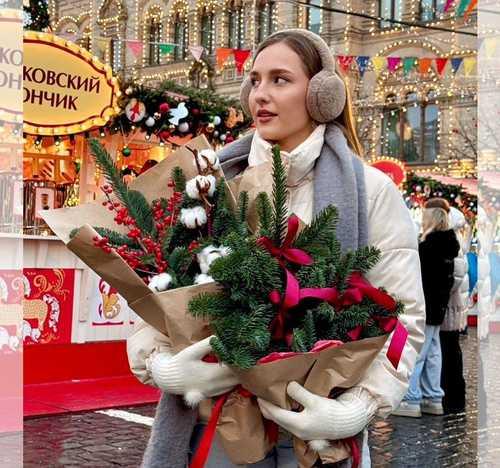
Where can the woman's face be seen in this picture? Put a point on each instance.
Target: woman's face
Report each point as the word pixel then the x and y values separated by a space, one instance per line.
pixel 278 97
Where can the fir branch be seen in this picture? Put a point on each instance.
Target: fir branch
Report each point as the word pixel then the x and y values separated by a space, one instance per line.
pixel 316 238
pixel 365 258
pixel 280 195
pixel 265 214
pixel 134 201
pixel 224 220
pixel 179 179
pixel 243 207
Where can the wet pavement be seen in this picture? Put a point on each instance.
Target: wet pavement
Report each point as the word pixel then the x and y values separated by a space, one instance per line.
pixel 118 438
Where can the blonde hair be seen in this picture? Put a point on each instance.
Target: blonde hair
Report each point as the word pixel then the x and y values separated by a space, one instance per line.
pixel 311 61
pixel 434 219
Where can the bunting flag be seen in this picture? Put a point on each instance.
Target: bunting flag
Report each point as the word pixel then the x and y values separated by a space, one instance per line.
pixel 362 62
pixel 455 63
pixel 344 62
pixel 240 57
pixel 471 7
pixel 424 65
pixel 196 52
pixel 462 6
pixel 490 45
pixel 166 48
pixel 222 54
pixel 393 63
pixel 448 5
pixel 408 64
pixel 378 64
pixel 469 65
pixel 135 47
pixel 440 65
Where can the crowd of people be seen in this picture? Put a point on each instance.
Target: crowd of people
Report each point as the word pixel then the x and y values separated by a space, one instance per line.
pixel 437 384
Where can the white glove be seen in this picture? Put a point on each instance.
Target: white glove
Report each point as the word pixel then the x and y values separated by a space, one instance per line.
pixel 323 419
pixel 186 374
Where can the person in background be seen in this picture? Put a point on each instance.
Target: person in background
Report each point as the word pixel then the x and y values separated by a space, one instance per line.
pixel 455 320
pixel 438 249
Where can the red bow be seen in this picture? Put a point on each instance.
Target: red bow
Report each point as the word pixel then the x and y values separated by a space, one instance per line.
pixel 291 297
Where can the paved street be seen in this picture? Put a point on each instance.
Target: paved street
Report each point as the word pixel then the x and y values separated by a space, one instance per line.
pixel 118 438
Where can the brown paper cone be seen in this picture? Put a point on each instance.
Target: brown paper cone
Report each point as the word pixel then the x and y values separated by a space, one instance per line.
pixel 337 368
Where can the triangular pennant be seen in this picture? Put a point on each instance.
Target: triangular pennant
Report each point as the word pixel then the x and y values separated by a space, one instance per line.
pixel 135 47
pixel 490 45
pixel 166 48
pixel 196 52
pixel 240 57
pixel 455 63
pixel 392 63
pixel 408 64
pixel 344 62
pixel 462 6
pixel 362 62
pixel 424 65
pixel 471 7
pixel 469 65
pixel 222 54
pixel 378 64
pixel 440 65
pixel 448 5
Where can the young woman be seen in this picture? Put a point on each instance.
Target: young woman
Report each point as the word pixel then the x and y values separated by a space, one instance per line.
pixel 298 101
pixel 438 249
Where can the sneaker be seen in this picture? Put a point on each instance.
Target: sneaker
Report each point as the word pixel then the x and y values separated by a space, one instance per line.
pixel 432 407
pixel 410 410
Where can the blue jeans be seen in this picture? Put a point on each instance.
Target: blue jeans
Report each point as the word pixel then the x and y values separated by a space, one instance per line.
pixel 280 457
pixel 425 382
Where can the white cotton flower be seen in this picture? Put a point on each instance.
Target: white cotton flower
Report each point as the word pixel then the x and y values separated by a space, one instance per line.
pixel 193 218
pixel 208 158
pixel 199 185
pixel 202 278
pixel 160 282
pixel 209 254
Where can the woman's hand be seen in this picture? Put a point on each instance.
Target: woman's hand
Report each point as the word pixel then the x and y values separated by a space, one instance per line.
pixel 186 374
pixel 322 418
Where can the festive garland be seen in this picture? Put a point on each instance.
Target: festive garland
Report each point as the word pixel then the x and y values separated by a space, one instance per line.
pixel 173 112
pixel 418 190
pixel 36 15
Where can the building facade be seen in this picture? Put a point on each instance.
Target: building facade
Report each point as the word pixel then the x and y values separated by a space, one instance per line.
pixel 425 117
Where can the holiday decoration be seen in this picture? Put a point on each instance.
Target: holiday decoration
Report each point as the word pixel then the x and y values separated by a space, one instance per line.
pixel 150 122
pixel 184 127
pixel 36 15
pixel 180 112
pixel 126 151
pixel 135 110
pixel 419 189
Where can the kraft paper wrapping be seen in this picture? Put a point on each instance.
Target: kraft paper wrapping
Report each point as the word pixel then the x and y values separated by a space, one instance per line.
pixel 151 307
pixel 337 368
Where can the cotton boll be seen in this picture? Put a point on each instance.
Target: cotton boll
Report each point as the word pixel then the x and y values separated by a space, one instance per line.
pixel 202 278
pixel 193 217
pixel 208 255
pixel 200 185
pixel 319 445
pixel 160 282
pixel 208 157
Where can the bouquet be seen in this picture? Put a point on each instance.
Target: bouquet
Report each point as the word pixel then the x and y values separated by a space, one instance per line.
pixel 283 303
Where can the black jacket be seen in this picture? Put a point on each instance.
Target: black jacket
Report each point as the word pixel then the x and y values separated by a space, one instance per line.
pixel 437 252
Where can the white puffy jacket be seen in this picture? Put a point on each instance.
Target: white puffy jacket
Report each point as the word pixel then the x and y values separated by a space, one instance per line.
pixel 391 230
pixel 455 318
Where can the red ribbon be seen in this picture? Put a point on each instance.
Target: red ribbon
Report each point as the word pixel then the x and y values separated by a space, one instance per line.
pixel 203 450
pixel 352 442
pixel 291 297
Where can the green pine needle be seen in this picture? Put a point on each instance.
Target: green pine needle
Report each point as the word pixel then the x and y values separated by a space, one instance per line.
pixel 280 195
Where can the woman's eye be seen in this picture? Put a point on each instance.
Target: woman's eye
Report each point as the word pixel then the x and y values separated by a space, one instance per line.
pixel 280 80
pixel 253 81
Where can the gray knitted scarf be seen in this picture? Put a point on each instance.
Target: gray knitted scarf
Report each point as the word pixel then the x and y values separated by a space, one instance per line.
pixel 338 180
